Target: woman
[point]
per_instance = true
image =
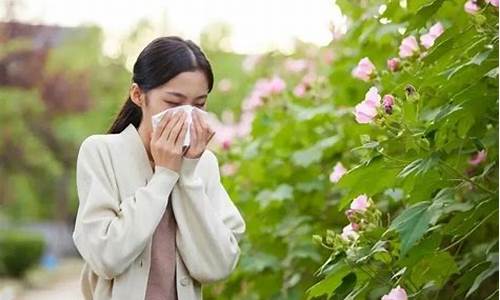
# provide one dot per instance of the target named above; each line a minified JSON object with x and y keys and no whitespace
{"x":154,"y":221}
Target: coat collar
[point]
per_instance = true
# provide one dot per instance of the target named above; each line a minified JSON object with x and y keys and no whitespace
{"x":132,"y":141}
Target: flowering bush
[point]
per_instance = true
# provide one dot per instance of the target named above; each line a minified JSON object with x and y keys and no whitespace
{"x":388,"y":160}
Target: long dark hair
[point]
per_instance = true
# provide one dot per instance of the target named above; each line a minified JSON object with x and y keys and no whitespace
{"x":161,"y":60}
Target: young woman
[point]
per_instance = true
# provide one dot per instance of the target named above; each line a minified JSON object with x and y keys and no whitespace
{"x":154,"y":221}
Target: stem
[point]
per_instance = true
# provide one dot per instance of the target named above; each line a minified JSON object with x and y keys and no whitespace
{"x":478,"y":185}
{"x":470,"y":232}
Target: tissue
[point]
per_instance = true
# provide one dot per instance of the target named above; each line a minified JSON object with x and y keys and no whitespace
{"x":155,"y":119}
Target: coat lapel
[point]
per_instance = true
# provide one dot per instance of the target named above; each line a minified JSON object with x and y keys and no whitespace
{"x":132,"y":142}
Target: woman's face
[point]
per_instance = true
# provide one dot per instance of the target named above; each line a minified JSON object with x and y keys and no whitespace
{"x":185,"y":88}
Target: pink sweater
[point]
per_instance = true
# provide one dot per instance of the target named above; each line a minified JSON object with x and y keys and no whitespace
{"x":162,"y":275}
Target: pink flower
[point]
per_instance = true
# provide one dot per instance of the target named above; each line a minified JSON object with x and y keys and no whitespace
{"x":372,"y":97}
{"x":253,"y":101}
{"x":299,"y":90}
{"x":493,"y":2}
{"x":328,"y":56}
{"x":296,"y":65}
{"x":478,"y":158}
{"x":338,"y":172}
{"x":224,"y":136}
{"x":360,"y":203}
{"x":224,"y":85}
{"x":408,"y":47}
{"x":364,"y":70}
{"x":276,"y":85}
{"x":244,"y":127}
{"x":397,"y":293}
{"x":393,"y":64}
{"x":366,"y":111}
{"x":265,"y":87}
{"x":436,"y":29}
{"x":471,"y":7}
{"x":427,"y":40}
{"x":228,"y":169}
{"x":250,"y":62}
{"x":348,"y":233}
{"x":309,"y":78}
{"x":388,"y":102}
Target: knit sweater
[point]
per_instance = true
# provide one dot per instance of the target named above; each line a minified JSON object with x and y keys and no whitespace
{"x":161,"y":281}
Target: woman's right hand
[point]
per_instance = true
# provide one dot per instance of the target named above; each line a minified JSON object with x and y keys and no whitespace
{"x":166,"y":141}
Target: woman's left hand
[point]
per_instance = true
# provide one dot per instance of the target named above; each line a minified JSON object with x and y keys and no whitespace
{"x":201,"y":134}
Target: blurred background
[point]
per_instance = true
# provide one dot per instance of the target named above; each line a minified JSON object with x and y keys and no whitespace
{"x":390,"y":104}
{"x":65,"y":69}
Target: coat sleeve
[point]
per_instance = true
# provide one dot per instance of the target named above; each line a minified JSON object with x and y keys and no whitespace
{"x":110,"y":234}
{"x":209,"y":224}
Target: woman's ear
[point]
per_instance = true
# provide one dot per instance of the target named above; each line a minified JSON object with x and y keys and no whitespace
{"x":136,"y":94}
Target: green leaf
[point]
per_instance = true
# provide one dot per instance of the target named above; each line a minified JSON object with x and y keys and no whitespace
{"x":282,"y":192}
{"x":331,"y":282}
{"x":424,"y":13}
{"x":476,"y":60}
{"x":437,"y":268}
{"x":420,"y":166}
{"x":305,"y":113}
{"x":414,"y":221}
{"x":308,"y":156}
{"x":372,"y":177}
{"x":492,"y":269}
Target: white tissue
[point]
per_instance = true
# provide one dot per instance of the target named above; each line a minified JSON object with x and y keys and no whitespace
{"x":155,"y":119}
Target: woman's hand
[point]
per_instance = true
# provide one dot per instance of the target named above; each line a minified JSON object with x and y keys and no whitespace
{"x":166,"y":140}
{"x":201,"y":134}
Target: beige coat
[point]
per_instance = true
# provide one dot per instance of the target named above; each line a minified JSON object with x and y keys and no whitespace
{"x":121,"y":201}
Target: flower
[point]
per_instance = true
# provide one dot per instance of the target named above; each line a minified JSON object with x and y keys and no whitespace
{"x":276,"y":85}
{"x":252,"y":101}
{"x":397,"y":293}
{"x":471,"y":7}
{"x":265,"y":87}
{"x":393,"y":64}
{"x":427,"y":40}
{"x":250,"y":62}
{"x":224,"y":136}
{"x":364,"y":70}
{"x":228,"y":169}
{"x":492,"y":2}
{"x":244,"y":127}
{"x":372,"y":97}
{"x":355,"y":226}
{"x":478,"y":158}
{"x":338,"y":172}
{"x":299,"y":90}
{"x":388,"y":102}
{"x":349,"y":233}
{"x":296,"y":65}
{"x":360,"y":203}
{"x":224,"y":85}
{"x":328,"y":56}
{"x":366,"y":111}
{"x":408,"y":47}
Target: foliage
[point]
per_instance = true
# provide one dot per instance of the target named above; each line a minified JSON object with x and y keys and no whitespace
{"x":19,"y":251}
{"x":428,"y":164}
